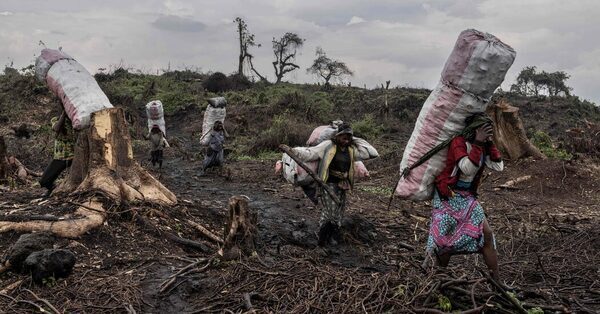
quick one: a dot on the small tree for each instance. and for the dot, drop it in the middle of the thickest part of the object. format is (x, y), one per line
(531, 83)
(326, 68)
(285, 49)
(246, 40)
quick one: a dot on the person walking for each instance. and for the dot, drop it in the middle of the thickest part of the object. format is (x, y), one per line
(458, 223)
(337, 158)
(64, 151)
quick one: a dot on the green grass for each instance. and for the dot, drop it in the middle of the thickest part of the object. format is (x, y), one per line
(377, 190)
(544, 142)
(261, 156)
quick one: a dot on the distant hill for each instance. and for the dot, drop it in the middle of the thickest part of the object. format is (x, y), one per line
(262, 116)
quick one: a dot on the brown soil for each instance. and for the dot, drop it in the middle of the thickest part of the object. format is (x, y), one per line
(545, 227)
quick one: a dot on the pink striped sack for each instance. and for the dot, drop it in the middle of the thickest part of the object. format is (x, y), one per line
(475, 68)
(323, 133)
(73, 84)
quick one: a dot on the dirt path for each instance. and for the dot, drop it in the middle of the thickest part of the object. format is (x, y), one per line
(545, 230)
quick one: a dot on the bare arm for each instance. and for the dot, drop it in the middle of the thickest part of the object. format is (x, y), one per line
(56, 127)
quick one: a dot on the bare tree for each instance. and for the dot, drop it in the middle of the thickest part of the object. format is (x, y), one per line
(285, 49)
(246, 40)
(326, 68)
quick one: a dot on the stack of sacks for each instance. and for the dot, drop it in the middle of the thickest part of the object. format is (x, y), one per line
(156, 116)
(73, 84)
(475, 68)
(214, 112)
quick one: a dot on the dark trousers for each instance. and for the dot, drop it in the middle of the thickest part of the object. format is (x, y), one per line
(156, 156)
(54, 169)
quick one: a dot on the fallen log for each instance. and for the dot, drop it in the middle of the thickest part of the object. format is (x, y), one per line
(67, 226)
(171, 236)
(21, 170)
(511, 184)
(205, 232)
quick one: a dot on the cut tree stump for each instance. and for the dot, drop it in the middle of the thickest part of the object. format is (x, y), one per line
(240, 230)
(103, 170)
(509, 133)
(104, 164)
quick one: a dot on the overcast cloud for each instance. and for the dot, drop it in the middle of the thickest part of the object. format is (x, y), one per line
(405, 41)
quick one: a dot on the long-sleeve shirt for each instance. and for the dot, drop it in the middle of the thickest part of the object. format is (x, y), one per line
(465, 162)
(326, 151)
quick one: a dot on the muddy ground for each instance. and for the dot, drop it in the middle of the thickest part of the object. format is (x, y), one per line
(546, 231)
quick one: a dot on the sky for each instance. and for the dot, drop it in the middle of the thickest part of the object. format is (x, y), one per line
(404, 41)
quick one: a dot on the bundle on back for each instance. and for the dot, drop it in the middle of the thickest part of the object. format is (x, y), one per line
(73, 84)
(296, 175)
(156, 116)
(475, 68)
(215, 111)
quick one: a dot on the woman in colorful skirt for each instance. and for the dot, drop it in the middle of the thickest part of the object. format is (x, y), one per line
(458, 224)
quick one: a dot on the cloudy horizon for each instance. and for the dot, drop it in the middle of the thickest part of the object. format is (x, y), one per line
(406, 42)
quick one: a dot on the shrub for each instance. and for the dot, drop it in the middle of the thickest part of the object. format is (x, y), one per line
(217, 83)
(368, 128)
(239, 82)
(319, 107)
(543, 141)
(285, 129)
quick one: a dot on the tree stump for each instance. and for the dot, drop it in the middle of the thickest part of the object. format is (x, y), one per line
(509, 133)
(104, 164)
(240, 230)
(103, 170)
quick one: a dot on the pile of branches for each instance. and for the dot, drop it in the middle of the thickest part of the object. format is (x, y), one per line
(584, 140)
(305, 285)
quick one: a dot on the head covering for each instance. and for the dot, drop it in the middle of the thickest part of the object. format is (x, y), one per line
(344, 128)
(473, 122)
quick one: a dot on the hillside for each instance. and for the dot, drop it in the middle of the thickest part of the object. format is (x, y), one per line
(545, 227)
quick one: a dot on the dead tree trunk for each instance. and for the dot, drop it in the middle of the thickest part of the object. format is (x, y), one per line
(240, 230)
(103, 170)
(509, 133)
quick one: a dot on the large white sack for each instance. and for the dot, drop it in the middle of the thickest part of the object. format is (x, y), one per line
(46, 59)
(476, 67)
(478, 63)
(80, 94)
(211, 115)
(155, 115)
(323, 133)
(295, 174)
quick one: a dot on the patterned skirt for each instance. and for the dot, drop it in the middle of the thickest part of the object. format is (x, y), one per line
(456, 224)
